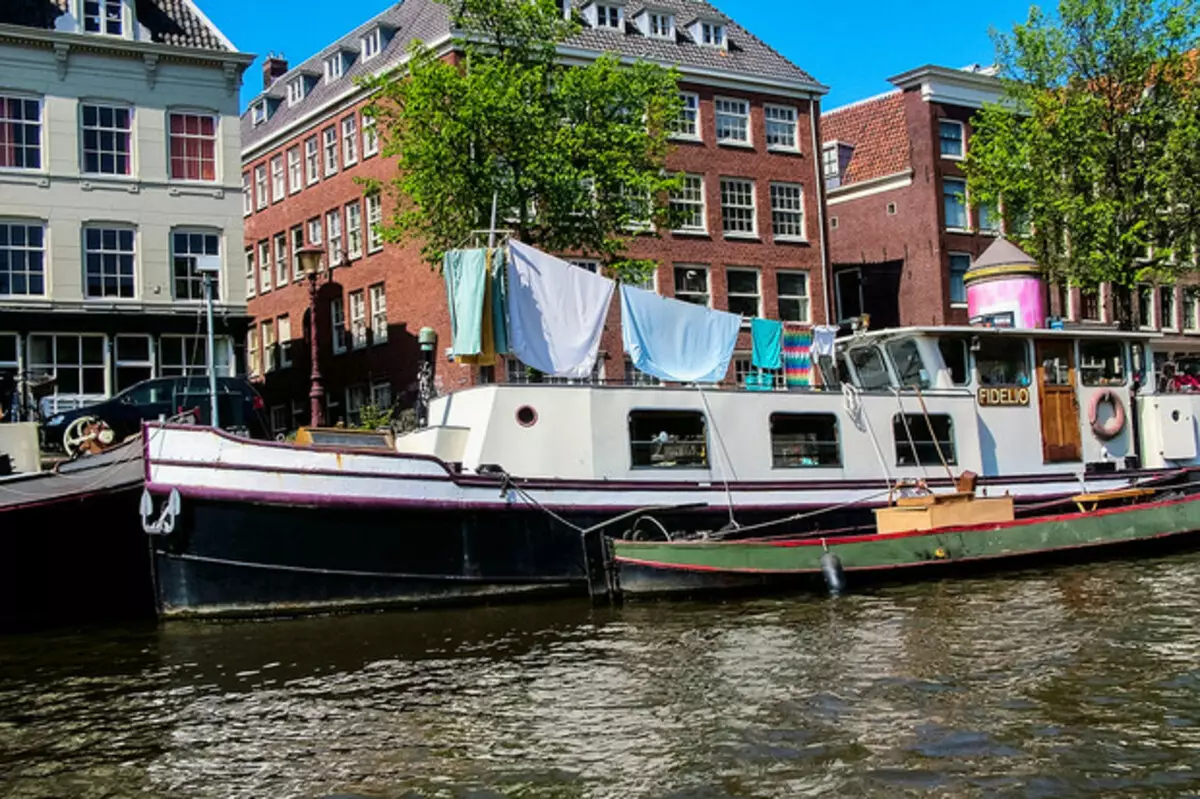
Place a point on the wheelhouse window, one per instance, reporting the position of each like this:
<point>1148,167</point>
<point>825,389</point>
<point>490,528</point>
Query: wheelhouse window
<point>804,440</point>
<point>906,358</point>
<point>919,438</point>
<point>20,133</point>
<point>1101,363</point>
<point>668,439</point>
<point>954,355</point>
<point>869,368</point>
<point>1002,362</point>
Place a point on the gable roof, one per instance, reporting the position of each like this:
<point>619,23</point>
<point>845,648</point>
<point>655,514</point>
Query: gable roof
<point>878,131</point>
<point>430,21</point>
<point>172,22</point>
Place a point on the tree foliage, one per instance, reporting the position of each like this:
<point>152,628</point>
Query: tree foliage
<point>575,154</point>
<point>1094,152</point>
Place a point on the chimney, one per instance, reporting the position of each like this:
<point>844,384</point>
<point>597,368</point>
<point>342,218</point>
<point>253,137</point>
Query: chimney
<point>273,67</point>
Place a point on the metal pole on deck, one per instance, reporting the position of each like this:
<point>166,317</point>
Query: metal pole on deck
<point>212,366</point>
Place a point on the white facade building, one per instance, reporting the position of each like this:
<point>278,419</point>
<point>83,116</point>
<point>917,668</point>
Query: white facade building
<point>119,173</point>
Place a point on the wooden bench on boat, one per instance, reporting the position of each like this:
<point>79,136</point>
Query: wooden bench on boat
<point>1089,502</point>
<point>931,511</point>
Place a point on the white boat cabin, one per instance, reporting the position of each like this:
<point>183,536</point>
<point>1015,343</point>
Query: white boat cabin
<point>907,403</point>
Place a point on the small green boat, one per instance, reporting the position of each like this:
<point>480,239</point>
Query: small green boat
<point>1135,521</point>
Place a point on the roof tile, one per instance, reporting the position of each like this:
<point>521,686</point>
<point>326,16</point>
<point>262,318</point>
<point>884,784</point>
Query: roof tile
<point>878,130</point>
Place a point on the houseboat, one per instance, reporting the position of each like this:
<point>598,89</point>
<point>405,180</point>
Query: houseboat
<point>511,489</point>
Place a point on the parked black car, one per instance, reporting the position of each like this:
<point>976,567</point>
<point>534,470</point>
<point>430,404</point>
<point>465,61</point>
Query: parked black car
<point>240,408</point>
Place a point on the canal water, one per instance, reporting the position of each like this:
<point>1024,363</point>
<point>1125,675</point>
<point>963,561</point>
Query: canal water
<point>1077,682</point>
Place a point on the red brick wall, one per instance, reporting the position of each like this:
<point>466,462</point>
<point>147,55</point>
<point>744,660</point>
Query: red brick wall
<point>415,293</point>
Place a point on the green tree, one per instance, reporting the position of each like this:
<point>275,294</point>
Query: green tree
<point>574,153</point>
<point>1092,153</point>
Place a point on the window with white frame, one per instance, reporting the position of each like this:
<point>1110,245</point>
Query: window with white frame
<point>687,204</point>
<point>1166,306</point>
<point>22,259</point>
<point>312,159</point>
<point>959,264</point>
<point>374,219</point>
<point>1145,300</point>
<point>691,283</point>
<point>295,170</point>
<point>370,134</point>
<point>782,123</point>
<point>247,195</point>
<point>358,319</point>
<point>107,139</point>
<point>253,363</point>
<point>381,394</point>
<point>636,377</point>
<point>950,135</point>
<point>791,288</point>
<point>337,325</point>
<point>104,16</point>
<point>330,135</point>
<point>192,253</point>
<point>251,273</point>
<point>379,320</point>
<point>295,90</point>
<point>258,112</point>
<point>333,235</point>
<point>954,198</point>
<point>76,361</point>
<point>193,144</point>
<point>1191,309</point>
<point>109,261</point>
<point>989,218</point>
<point>608,16</point>
<point>284,325</point>
<point>830,168</point>
<point>733,120</point>
<point>281,260</point>
<point>264,267</point>
<point>333,67</point>
<point>278,185</point>
<point>297,237</point>
<point>515,371</point>
<point>371,44</point>
<point>744,295</point>
<point>349,140</point>
<point>315,236</point>
<point>133,360</point>
<point>354,240</point>
<point>687,124</point>
<point>356,398</point>
<point>268,345</point>
<point>712,34</point>
<point>638,207</point>
<point>787,211</point>
<point>738,217</point>
<point>662,26</point>
<point>260,186</point>
<point>20,132</point>
<point>1091,305</point>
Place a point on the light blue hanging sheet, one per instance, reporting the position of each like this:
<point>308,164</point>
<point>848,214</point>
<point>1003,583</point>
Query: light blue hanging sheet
<point>675,340</point>
<point>465,272</point>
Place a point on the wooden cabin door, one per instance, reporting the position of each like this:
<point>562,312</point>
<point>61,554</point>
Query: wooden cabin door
<point>1059,403</point>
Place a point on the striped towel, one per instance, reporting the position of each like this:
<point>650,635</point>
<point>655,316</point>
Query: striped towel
<point>797,363</point>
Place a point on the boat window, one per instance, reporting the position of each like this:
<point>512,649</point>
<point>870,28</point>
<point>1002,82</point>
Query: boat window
<point>1102,363</point>
<point>868,365</point>
<point>954,355</point>
<point>803,440</point>
<point>668,439</point>
<point>906,357</point>
<point>1002,362</point>
<point>915,434</point>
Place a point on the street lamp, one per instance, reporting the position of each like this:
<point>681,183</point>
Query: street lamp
<point>310,265</point>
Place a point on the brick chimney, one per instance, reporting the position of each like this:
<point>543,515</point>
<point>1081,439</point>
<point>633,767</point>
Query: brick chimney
<point>273,67</point>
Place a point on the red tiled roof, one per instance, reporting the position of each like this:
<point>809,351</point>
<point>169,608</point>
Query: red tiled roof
<point>879,133</point>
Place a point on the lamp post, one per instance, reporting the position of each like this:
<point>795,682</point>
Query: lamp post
<point>310,264</point>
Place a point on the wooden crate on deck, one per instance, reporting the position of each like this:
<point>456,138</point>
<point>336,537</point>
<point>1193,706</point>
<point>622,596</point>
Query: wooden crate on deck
<point>942,510</point>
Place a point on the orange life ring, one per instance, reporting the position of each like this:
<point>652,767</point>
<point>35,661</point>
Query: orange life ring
<point>1113,426</point>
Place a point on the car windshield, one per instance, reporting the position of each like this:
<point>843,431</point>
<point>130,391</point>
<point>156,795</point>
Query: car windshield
<point>152,392</point>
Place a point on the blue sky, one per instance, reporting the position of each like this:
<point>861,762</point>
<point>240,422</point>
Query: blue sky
<point>851,48</point>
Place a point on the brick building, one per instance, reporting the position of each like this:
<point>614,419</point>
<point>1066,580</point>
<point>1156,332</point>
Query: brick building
<point>754,244</point>
<point>902,229</point>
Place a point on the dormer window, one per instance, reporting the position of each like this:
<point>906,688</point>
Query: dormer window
<point>333,67</point>
<point>662,26</point>
<point>712,34</point>
<point>371,44</point>
<point>295,89</point>
<point>104,16</point>
<point>608,16</point>
<point>258,112</point>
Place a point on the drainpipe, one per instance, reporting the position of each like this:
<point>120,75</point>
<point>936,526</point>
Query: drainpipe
<point>826,284</point>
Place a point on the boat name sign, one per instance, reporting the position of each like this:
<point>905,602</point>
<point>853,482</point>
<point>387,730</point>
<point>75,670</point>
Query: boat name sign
<point>1009,395</point>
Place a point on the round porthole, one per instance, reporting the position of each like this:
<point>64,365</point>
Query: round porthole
<point>526,416</point>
